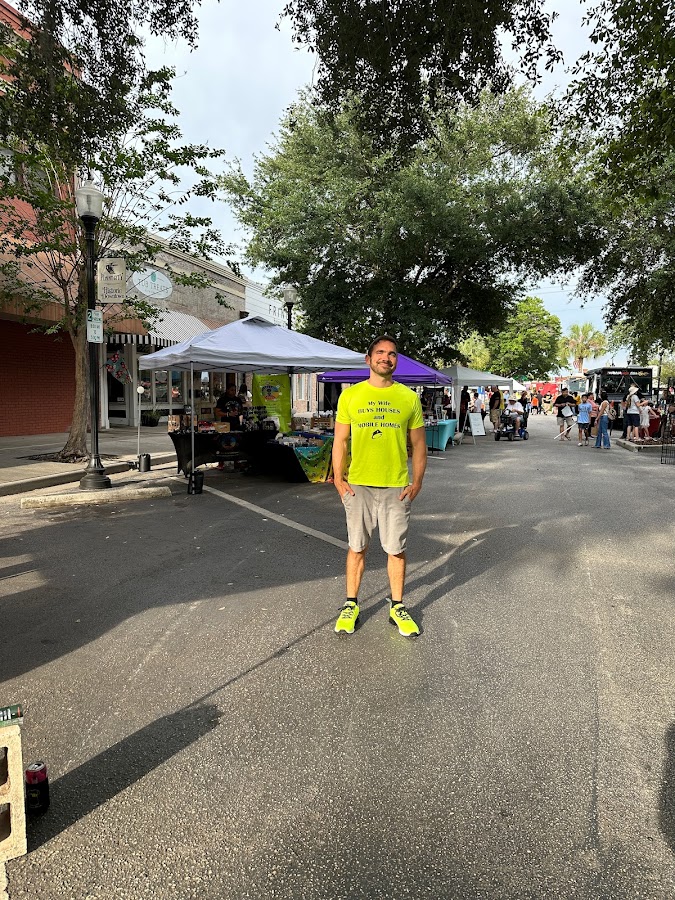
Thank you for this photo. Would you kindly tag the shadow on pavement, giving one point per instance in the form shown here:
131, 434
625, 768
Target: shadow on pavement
667, 795
101, 778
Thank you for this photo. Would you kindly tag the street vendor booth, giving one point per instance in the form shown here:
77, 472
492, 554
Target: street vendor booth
253, 345
413, 374
465, 377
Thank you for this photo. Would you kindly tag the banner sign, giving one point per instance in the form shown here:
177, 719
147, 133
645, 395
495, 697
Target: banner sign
274, 393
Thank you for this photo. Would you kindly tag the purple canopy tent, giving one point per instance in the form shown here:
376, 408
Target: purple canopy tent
408, 371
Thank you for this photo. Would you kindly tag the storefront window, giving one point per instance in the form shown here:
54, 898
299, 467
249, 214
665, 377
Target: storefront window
177, 388
161, 389
145, 379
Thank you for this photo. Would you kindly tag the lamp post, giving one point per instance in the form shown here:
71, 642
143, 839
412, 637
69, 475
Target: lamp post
290, 297
89, 204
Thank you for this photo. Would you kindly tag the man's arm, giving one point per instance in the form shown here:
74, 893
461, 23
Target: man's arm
340, 444
418, 442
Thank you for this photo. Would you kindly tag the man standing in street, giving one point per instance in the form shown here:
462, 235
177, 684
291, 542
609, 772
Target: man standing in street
495, 406
379, 414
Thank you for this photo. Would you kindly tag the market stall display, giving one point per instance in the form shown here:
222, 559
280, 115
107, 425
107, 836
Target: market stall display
251, 345
440, 433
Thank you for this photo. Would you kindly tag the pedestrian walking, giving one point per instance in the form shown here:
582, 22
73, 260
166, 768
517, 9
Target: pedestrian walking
584, 420
565, 407
527, 406
594, 411
604, 412
379, 415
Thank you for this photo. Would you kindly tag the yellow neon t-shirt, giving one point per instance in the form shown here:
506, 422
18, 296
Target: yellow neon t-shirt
380, 419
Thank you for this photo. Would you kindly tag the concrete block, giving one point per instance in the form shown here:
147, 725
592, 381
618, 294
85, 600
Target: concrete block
89, 498
12, 804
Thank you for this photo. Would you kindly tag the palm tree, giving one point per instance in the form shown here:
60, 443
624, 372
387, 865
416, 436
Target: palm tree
583, 342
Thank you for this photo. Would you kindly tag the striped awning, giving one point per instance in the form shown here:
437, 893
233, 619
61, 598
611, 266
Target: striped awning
171, 328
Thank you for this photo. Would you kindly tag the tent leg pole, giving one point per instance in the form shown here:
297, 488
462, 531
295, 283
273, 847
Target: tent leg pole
193, 406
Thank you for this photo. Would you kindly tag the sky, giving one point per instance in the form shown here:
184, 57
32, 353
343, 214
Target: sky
234, 88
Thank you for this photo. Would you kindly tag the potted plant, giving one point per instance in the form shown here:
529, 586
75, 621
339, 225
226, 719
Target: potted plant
150, 417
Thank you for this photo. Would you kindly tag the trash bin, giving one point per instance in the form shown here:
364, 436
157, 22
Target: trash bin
144, 462
195, 482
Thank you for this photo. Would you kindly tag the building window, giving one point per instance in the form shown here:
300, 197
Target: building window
300, 387
7, 165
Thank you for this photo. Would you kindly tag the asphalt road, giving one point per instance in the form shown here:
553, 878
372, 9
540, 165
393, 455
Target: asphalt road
209, 736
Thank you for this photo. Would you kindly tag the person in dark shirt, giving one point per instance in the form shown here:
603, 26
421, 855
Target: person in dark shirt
565, 423
230, 408
495, 405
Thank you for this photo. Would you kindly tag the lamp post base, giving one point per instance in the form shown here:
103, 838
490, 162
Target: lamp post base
94, 479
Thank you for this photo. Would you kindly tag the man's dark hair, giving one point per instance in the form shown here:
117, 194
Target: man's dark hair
379, 339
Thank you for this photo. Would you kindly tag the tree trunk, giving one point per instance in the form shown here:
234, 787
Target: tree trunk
76, 445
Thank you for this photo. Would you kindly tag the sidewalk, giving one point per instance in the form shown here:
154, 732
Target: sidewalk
19, 474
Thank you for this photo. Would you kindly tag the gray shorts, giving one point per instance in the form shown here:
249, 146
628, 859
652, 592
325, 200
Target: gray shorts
377, 506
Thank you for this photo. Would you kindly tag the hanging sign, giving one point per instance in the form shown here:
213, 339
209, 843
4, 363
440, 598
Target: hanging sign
94, 326
112, 280
152, 283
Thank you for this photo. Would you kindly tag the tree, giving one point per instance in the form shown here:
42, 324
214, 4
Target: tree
527, 347
142, 175
76, 71
635, 265
404, 60
583, 342
474, 353
430, 247
625, 86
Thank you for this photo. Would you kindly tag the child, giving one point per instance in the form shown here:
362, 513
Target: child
584, 420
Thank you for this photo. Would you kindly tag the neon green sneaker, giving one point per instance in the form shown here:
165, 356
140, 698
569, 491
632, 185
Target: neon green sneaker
401, 618
347, 619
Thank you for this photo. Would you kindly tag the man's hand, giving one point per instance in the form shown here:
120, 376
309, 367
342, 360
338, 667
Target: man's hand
412, 490
343, 487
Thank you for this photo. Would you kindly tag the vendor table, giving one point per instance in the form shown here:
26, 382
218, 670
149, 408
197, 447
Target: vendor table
211, 447
439, 434
262, 452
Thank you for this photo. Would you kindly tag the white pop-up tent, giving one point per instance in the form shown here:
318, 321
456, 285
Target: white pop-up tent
252, 345
465, 377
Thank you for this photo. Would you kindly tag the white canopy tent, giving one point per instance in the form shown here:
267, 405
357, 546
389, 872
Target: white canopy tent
252, 345
465, 377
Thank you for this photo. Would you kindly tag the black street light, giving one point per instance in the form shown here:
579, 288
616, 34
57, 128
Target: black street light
89, 203
290, 297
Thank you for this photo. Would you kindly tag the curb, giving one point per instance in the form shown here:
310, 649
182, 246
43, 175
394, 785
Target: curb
638, 448
88, 498
45, 481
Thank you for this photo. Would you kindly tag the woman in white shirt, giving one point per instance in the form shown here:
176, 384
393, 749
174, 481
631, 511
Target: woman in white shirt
633, 399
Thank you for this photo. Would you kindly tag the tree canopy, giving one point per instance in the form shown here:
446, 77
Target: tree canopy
635, 264
624, 88
406, 59
76, 71
528, 345
429, 248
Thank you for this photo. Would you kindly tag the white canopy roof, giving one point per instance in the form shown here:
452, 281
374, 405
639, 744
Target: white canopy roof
253, 345
463, 377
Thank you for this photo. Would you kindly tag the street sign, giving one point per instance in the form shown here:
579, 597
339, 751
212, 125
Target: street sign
112, 280
94, 326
